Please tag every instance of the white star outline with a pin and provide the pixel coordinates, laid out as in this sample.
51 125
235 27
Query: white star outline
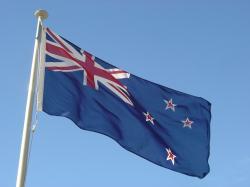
170 104
187 123
149 117
170 156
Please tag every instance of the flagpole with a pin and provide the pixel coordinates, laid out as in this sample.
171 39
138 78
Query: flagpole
22 166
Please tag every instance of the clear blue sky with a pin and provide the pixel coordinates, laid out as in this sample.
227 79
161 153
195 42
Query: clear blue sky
198 47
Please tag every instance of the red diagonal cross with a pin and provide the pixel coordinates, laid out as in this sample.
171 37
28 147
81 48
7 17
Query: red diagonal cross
89 65
93 72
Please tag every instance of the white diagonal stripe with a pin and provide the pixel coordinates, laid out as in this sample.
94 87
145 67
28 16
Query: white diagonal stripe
66 60
121 75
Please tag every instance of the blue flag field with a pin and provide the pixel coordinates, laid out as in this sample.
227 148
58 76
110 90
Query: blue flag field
162 125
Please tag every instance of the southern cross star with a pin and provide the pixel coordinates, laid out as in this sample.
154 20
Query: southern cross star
170 105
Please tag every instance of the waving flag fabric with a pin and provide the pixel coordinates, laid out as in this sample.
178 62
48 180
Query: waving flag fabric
162 125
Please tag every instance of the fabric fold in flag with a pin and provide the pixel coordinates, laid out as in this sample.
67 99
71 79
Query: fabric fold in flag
162 125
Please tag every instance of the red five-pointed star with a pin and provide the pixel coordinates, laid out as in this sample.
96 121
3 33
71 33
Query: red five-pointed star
149 117
170 104
187 123
170 155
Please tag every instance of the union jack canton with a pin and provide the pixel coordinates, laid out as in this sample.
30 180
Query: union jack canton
70 59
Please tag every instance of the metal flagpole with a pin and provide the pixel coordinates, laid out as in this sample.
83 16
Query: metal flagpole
22 167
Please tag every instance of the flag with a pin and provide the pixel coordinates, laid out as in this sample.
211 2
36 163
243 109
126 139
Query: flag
159 124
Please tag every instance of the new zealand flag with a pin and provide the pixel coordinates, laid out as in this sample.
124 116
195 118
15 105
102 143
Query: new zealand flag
162 125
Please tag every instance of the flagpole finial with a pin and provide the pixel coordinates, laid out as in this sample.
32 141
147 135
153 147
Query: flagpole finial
43 14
